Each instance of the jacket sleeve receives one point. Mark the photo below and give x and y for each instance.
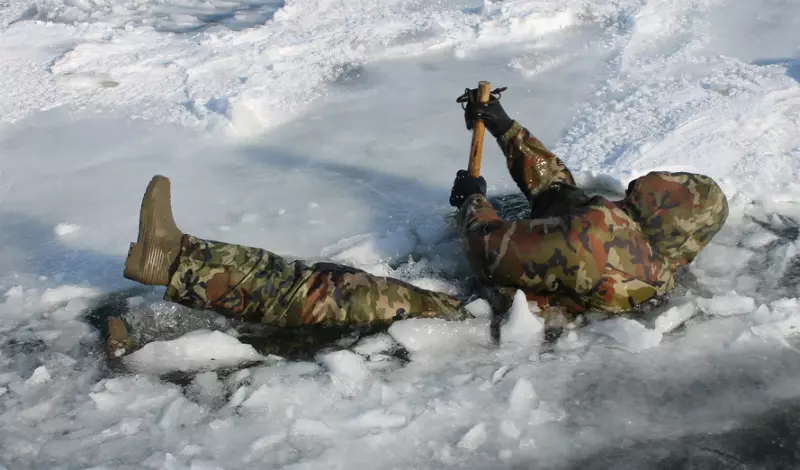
(531, 165)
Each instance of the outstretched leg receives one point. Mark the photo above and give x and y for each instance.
(259, 286)
(256, 285)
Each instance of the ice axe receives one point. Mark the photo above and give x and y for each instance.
(478, 130)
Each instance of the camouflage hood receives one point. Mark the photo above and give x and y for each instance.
(678, 212)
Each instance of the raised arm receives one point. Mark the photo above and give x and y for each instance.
(533, 167)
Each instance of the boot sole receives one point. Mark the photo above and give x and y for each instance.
(138, 267)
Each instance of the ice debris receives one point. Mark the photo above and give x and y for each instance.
(727, 305)
(629, 334)
(201, 349)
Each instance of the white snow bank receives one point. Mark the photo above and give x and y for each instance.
(193, 351)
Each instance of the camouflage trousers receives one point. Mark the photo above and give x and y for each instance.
(256, 285)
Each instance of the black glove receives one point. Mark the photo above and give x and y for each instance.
(494, 116)
(465, 186)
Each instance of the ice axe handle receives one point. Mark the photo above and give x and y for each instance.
(476, 151)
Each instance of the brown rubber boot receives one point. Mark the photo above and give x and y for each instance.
(150, 258)
(118, 342)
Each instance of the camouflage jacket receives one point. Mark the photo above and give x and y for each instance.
(598, 254)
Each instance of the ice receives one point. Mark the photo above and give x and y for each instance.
(312, 428)
(323, 129)
(629, 334)
(523, 328)
(523, 398)
(197, 350)
(40, 375)
(65, 293)
(348, 371)
(778, 322)
(431, 336)
(510, 430)
(500, 373)
(379, 419)
(474, 438)
(479, 308)
(727, 304)
(675, 317)
(64, 229)
(374, 345)
(204, 465)
(368, 250)
(238, 397)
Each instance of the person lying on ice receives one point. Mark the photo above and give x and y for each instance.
(574, 253)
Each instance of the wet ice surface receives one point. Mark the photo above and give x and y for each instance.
(354, 138)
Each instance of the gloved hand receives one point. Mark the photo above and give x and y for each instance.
(465, 186)
(494, 116)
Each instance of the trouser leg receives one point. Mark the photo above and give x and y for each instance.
(256, 285)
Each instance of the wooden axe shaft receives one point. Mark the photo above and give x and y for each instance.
(476, 151)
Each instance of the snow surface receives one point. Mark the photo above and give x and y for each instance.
(329, 129)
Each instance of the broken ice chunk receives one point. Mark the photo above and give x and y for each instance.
(474, 438)
(39, 376)
(379, 419)
(727, 305)
(523, 397)
(480, 308)
(348, 371)
(63, 229)
(509, 429)
(374, 344)
(193, 351)
(675, 317)
(523, 327)
(310, 427)
(630, 334)
(500, 373)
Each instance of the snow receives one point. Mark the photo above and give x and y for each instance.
(328, 130)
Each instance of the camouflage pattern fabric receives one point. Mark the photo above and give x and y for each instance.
(678, 212)
(256, 285)
(532, 166)
(596, 256)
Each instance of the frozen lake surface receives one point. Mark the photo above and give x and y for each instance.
(329, 129)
